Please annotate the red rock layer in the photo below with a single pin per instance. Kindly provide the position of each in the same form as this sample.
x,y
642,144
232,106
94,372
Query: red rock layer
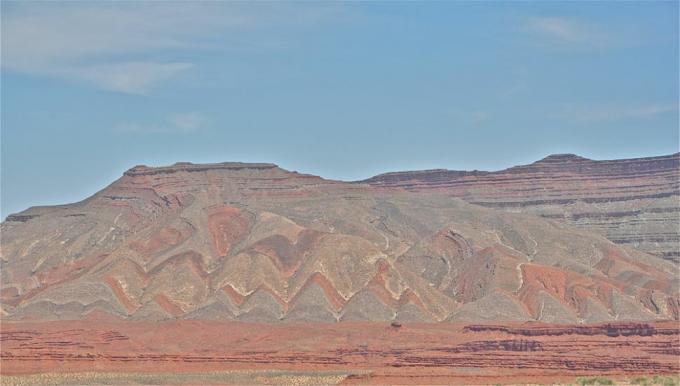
x,y
378,352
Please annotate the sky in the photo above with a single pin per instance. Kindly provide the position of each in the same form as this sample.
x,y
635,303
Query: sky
x,y
341,90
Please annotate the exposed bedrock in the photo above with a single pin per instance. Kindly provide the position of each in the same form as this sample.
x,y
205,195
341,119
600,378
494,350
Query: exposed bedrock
x,y
446,350
257,243
632,202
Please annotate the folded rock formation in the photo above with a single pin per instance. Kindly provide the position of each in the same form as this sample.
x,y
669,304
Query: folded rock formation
x,y
552,241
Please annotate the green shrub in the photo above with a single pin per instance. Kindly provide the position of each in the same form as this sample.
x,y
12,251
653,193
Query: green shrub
x,y
656,380
643,381
594,381
669,381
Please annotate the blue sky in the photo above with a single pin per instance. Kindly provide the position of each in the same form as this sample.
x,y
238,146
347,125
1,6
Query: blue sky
x,y
342,90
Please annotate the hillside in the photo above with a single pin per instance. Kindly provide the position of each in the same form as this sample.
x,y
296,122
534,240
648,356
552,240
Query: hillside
x,y
633,202
254,242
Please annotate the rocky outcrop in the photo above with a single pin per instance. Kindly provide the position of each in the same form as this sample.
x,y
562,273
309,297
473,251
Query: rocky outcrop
x,y
143,170
608,329
257,243
633,202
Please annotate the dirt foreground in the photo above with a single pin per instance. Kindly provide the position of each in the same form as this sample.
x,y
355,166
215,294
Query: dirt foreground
x,y
203,352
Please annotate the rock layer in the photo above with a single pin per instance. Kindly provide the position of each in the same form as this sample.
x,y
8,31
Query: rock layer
x,y
632,202
377,353
256,243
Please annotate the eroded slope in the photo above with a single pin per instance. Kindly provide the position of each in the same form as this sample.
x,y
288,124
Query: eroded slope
x,y
634,202
254,242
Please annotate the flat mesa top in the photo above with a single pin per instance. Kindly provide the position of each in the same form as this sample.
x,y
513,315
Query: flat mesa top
x,y
141,170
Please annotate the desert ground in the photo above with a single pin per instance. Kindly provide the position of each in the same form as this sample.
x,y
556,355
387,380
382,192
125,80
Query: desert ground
x,y
207,352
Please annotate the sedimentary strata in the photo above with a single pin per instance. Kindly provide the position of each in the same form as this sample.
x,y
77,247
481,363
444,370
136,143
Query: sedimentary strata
x,y
453,353
257,243
632,202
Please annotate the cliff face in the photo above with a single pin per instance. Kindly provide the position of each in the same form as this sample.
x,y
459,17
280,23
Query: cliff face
x,y
254,242
634,202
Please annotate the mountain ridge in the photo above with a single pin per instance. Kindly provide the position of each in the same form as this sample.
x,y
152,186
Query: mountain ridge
x,y
631,201
258,243
555,159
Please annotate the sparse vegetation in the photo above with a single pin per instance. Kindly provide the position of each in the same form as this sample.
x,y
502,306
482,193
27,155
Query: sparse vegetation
x,y
643,381
657,380
594,381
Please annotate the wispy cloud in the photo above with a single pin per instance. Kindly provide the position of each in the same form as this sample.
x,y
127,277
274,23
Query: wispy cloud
x,y
117,46
180,123
128,77
564,30
616,112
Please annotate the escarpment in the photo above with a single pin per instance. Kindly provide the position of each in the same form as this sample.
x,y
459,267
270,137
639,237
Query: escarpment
x,y
634,202
255,242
